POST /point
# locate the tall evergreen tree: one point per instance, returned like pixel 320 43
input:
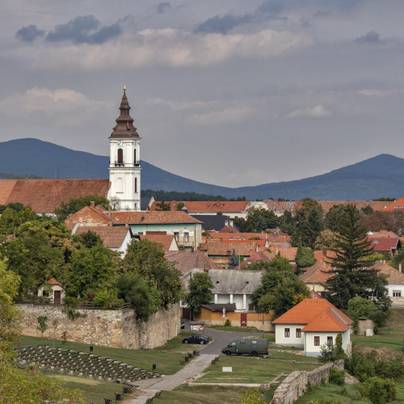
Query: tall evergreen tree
pixel 353 271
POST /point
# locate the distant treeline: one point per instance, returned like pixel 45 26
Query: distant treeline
pixel 185 196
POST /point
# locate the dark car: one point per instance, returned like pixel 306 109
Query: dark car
pixel 196 339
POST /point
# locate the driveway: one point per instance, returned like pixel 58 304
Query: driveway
pixel 223 338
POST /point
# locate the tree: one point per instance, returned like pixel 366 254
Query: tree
pixel 143 298
pixel 74 205
pixel 305 257
pixel 334 216
pixel 42 324
pixel 308 223
pixel 147 259
pixel 325 240
pixel 359 307
pixel 163 205
pixel 280 288
pixel 200 292
pixel 379 390
pixel 258 220
pixel 12 217
pixel 353 273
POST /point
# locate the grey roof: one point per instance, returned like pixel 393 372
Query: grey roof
pixel 235 281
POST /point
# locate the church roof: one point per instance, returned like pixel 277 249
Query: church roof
pixel 46 195
pixel 124 128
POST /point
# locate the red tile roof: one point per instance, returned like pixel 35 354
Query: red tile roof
pixel 111 236
pixel 53 282
pixel 317 315
pixel 89 215
pixel 319 273
pixel 228 247
pixel 185 261
pixel 152 217
pixel 384 241
pixel 46 195
pixel 165 240
pixel 289 252
pixel 397 205
pixel 394 277
pixel 207 206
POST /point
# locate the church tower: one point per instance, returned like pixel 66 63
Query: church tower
pixel 124 161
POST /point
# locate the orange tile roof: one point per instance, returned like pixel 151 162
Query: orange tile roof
pixel 316 314
pixel 46 195
pixel 397 205
pixel 152 217
pixel 287 252
pixel 226 248
pixel 165 240
pixel 111 236
pixel 394 277
pixel 88 215
pixel 207 206
pixel 53 282
pixel 319 273
pixel 185 261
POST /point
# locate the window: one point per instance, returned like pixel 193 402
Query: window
pixel 176 235
pixel 330 341
pixel 316 340
pixel 396 293
pixel 120 157
pixel 287 332
pixel 298 332
pixel 186 237
pixel 134 157
pixel 135 185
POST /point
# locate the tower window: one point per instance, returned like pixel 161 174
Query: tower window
pixel 135 184
pixel 120 157
pixel 135 157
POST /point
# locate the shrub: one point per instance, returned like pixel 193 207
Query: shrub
pixel 42 323
pixel 379 390
pixel 337 377
pixel 227 323
pixel 252 397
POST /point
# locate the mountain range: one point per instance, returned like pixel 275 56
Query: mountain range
pixel 382 175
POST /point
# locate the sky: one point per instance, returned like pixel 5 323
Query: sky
pixel 230 92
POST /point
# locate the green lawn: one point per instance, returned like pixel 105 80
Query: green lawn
pixel 169 358
pixel 386 338
pixel 201 395
pixel 238 329
pixel 93 391
pixel 256 370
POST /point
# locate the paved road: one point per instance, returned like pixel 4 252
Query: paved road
pixel 223 338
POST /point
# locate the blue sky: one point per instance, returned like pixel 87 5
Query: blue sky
pixel 227 92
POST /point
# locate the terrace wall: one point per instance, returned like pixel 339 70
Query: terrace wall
pixel 114 328
pixel 296 383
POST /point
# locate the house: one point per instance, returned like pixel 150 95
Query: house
pixel 88 216
pixel 384 242
pixel 53 291
pixel 313 324
pixel 166 241
pixel 395 282
pixel 115 238
pixel 395 206
pixel 213 222
pixel 188 261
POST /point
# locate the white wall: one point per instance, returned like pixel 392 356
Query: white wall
pixel 311 350
pixel 292 340
pixel 237 299
pixel 399 301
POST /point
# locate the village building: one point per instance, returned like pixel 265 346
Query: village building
pixel 52 291
pixel 384 242
pixel 312 325
pixel 187 261
pixel 166 241
pixel 395 282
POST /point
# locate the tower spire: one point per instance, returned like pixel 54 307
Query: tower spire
pixel 124 127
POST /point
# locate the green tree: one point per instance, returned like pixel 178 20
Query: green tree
pixel 74 205
pixel 305 257
pixel 353 273
pixel 325 240
pixel 163 205
pixel 334 217
pixel 143 297
pixel 379 390
pixel 360 307
pixel 147 259
pixel 42 324
pixel 200 292
pixel 308 223
pixel 258 220
pixel 252 397
pixel 280 288
pixel 12 218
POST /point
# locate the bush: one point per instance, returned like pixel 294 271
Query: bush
pixel 227 323
pixel 252 397
pixel 379 390
pixel 337 377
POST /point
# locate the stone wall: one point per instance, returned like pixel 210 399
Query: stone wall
pixel 114 328
pixel 296 383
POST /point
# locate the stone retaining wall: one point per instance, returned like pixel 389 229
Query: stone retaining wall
pixel 114 328
pixel 296 383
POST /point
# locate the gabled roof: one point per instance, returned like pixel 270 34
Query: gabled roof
pixel 164 240
pixel 111 236
pixel 185 261
pixel 316 314
pixel 88 216
pixel 152 217
pixel 319 273
pixel 226 281
pixel 46 195
pixel 394 277
pixel 206 206
pixel 53 282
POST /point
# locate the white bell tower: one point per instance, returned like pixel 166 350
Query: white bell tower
pixel 124 161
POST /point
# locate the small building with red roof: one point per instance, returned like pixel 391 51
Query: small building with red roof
pixel 52 291
pixel 313 324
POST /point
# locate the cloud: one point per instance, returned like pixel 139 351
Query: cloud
pixel 163 7
pixel 372 37
pixel 44 100
pixel 229 115
pixel 80 30
pixel 169 47
pixel 29 33
pixel 316 111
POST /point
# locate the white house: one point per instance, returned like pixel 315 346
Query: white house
pixel 395 282
pixel 52 290
pixel 313 324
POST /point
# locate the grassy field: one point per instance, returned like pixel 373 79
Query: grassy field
pixel 93 391
pixel 256 370
pixel 168 358
pixel 238 329
pixel 201 395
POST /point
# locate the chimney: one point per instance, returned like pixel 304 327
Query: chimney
pixel 92 204
pixel 400 267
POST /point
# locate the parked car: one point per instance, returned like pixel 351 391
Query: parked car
pixel 253 347
pixel 196 339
